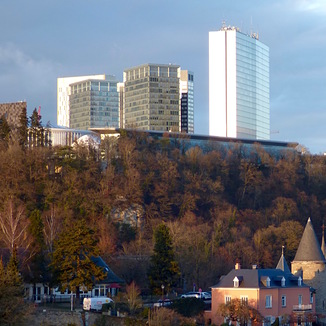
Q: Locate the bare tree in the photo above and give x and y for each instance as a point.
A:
(51, 227)
(14, 229)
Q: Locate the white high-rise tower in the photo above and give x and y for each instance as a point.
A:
(238, 85)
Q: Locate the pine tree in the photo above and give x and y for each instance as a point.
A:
(71, 260)
(23, 128)
(36, 228)
(12, 306)
(164, 269)
(36, 129)
(12, 273)
(4, 129)
(38, 263)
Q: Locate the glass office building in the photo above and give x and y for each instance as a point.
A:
(187, 101)
(94, 104)
(238, 85)
(151, 97)
(63, 93)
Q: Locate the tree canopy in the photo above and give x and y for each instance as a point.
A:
(12, 307)
(219, 203)
(164, 270)
(72, 258)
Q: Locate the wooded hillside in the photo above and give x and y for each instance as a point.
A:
(218, 205)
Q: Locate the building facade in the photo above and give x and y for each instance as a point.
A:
(238, 85)
(187, 101)
(121, 89)
(63, 93)
(309, 262)
(274, 293)
(94, 103)
(151, 97)
(12, 112)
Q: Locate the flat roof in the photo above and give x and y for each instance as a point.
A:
(198, 137)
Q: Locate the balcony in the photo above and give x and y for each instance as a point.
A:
(302, 307)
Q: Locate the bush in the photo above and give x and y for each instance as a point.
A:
(168, 317)
(107, 306)
(188, 307)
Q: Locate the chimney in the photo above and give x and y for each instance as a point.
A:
(237, 264)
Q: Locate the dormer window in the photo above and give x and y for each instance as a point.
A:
(283, 281)
(299, 281)
(268, 282)
(236, 282)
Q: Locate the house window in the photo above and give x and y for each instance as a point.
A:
(99, 291)
(268, 282)
(283, 281)
(283, 300)
(227, 299)
(244, 299)
(236, 282)
(311, 297)
(268, 301)
(300, 300)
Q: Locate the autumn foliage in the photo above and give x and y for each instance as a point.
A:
(218, 203)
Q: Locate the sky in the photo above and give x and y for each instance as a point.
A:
(43, 40)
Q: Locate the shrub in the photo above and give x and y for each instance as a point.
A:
(168, 317)
(188, 307)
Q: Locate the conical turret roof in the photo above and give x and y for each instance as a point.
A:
(282, 264)
(309, 248)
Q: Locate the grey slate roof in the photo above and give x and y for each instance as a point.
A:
(256, 278)
(309, 248)
(282, 264)
(110, 276)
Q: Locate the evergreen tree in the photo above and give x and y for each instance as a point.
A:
(13, 275)
(71, 260)
(23, 128)
(36, 228)
(38, 264)
(164, 269)
(4, 129)
(36, 129)
(12, 306)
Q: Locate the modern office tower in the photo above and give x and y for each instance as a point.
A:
(187, 101)
(121, 90)
(151, 97)
(63, 92)
(94, 103)
(238, 85)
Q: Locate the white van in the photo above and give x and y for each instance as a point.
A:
(95, 303)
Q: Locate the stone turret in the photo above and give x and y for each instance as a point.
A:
(309, 258)
(310, 262)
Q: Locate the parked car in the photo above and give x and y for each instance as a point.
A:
(95, 303)
(191, 295)
(206, 295)
(198, 295)
(162, 303)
